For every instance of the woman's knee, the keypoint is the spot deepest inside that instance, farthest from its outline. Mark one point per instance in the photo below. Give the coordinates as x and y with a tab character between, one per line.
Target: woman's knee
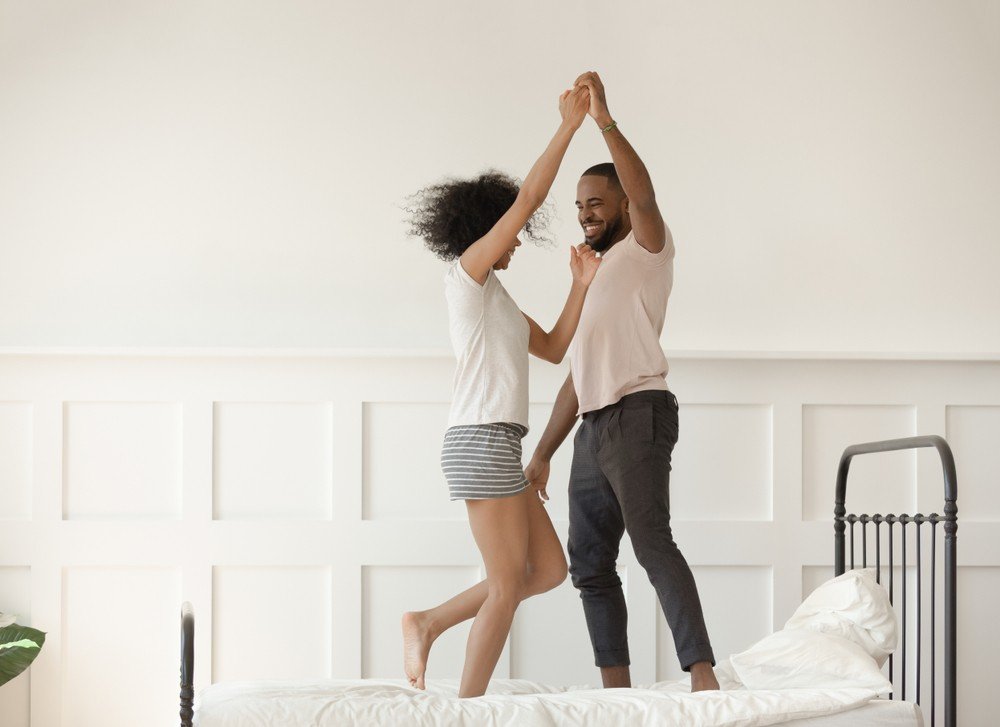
555	575
508	589
547	576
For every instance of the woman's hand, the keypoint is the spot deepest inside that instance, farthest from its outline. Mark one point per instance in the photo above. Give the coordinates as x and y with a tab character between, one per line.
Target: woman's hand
598	101
583	263
573	106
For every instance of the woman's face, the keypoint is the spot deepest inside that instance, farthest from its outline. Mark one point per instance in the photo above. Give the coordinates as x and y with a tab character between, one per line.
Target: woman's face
504	261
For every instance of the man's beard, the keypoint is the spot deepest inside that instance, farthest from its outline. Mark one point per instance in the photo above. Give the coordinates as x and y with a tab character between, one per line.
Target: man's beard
603	242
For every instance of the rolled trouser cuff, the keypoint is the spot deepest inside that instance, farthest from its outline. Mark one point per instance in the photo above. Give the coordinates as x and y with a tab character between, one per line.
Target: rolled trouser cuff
695	654
611	657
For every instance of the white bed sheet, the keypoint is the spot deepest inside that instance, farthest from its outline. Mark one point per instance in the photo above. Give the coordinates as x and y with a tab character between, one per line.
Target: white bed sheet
375	702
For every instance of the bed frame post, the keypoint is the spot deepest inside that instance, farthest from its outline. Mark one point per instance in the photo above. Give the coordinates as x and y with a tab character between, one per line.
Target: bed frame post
950	598
839	511
187	664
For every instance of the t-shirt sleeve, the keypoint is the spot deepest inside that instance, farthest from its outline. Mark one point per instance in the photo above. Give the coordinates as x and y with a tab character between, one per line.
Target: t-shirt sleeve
459	278
655	258
466	298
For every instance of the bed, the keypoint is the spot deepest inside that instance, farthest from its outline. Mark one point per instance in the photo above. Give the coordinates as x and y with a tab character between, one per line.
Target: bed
824	669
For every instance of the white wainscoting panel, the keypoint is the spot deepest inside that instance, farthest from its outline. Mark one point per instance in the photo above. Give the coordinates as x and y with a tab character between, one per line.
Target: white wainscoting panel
122	460
273	460
296	500
271	622
120	639
723	467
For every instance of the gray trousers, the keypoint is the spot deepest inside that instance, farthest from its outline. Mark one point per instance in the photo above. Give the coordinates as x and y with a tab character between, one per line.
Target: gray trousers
620	482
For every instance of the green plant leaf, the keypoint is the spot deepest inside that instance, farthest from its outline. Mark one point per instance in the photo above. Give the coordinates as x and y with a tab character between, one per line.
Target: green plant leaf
19	645
26	643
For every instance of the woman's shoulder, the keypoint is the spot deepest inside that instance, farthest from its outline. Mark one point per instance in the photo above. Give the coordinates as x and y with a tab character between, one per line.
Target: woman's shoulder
458	276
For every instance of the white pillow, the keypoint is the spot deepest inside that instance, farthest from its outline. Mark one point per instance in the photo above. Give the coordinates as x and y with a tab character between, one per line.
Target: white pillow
802	659
855	607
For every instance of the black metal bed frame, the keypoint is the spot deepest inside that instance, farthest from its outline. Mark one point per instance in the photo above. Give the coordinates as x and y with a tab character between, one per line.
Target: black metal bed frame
187	664
950	524
841	520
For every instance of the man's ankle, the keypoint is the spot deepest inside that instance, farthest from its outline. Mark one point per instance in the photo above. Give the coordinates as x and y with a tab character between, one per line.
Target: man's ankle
703	676
616	677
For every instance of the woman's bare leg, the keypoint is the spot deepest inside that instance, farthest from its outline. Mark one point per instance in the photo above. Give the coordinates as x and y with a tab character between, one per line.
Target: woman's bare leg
546	570
500	528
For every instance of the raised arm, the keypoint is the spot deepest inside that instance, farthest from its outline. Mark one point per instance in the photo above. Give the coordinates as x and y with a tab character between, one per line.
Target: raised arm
484	252
552	345
560	424
647	222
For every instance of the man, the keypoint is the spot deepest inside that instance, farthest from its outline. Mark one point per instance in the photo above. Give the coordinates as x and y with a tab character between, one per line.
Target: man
621	454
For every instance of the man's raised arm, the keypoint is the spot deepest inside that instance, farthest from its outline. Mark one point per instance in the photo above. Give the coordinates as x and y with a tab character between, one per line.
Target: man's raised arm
650	230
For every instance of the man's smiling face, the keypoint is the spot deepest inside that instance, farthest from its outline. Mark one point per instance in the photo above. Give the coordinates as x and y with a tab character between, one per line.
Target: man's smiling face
601	206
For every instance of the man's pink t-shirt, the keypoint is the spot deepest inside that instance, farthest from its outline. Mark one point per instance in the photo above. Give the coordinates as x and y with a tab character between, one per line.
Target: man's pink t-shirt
616	350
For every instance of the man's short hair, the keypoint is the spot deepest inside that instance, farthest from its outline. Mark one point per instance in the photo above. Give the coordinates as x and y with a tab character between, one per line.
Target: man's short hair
606	170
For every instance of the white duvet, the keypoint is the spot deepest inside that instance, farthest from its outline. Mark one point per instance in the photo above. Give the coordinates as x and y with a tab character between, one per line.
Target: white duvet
517	703
825	661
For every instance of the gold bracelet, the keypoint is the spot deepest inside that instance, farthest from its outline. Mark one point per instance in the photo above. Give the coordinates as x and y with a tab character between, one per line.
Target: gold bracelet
609	127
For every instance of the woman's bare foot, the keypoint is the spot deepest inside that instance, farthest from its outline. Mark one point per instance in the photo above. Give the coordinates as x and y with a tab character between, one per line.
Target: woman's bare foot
702	677
417	639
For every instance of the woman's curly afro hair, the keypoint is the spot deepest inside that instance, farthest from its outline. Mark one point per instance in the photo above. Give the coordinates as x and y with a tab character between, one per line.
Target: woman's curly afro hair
453	214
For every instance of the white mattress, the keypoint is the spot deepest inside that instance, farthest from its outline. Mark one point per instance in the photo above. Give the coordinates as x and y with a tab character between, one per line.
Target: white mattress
379	702
877	713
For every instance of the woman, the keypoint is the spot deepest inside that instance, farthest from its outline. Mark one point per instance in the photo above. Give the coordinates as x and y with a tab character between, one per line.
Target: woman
475	223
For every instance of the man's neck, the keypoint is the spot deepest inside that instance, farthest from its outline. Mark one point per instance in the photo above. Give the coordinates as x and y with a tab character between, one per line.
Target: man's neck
622	234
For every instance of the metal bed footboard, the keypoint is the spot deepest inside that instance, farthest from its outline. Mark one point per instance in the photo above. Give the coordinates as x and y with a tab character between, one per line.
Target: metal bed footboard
949	521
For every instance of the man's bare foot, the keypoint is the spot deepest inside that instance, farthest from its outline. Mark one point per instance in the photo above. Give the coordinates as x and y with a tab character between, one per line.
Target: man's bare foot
702	677
417	640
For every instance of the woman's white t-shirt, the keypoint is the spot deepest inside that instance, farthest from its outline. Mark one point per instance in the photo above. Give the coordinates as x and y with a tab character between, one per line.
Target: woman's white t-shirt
489	335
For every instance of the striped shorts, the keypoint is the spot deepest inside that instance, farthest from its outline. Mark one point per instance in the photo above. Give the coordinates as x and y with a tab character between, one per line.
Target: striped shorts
483	461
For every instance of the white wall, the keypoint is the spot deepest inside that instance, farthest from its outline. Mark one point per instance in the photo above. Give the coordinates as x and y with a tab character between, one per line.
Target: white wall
193	174
277	494
229	173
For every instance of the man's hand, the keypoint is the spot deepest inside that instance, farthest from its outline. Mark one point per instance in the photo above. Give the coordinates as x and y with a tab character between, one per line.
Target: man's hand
573	106
537	473
598	101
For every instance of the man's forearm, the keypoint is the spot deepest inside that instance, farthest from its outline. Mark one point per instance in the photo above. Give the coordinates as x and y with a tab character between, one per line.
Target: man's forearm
560	422
632	173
